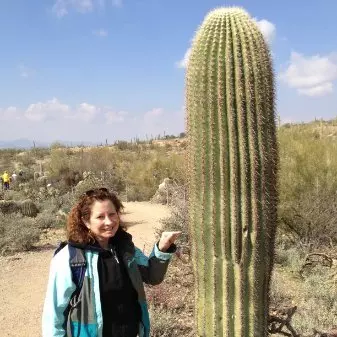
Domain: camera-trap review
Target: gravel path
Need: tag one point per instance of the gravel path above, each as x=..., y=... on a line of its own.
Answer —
x=24, y=276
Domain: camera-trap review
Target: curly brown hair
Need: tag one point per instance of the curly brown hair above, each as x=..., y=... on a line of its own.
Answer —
x=77, y=231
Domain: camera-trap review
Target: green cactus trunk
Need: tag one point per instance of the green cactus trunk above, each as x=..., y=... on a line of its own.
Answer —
x=232, y=174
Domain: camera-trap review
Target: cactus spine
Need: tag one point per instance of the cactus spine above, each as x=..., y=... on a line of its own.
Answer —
x=28, y=208
x=232, y=174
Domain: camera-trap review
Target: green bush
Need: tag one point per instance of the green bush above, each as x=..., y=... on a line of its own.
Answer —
x=307, y=165
x=308, y=186
x=315, y=297
x=8, y=207
x=18, y=233
x=311, y=219
x=48, y=220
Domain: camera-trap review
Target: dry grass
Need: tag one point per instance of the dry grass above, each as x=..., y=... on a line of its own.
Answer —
x=314, y=294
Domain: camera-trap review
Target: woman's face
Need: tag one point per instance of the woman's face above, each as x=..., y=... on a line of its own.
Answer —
x=104, y=220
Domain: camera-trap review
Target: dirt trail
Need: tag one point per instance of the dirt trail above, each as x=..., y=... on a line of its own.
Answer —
x=23, y=277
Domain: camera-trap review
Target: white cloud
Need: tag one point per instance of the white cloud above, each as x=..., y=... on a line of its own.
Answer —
x=55, y=110
x=153, y=114
x=84, y=112
x=62, y=7
x=267, y=29
x=318, y=90
x=53, y=119
x=312, y=75
x=10, y=113
x=184, y=61
x=52, y=109
x=115, y=117
x=100, y=33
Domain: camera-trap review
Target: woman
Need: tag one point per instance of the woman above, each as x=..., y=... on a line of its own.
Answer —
x=111, y=301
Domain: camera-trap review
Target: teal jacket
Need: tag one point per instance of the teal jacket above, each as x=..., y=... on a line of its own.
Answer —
x=85, y=316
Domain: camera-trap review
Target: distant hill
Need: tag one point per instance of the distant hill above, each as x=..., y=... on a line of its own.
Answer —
x=323, y=128
x=21, y=143
x=24, y=143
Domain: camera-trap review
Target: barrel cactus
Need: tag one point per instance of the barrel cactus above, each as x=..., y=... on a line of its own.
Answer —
x=28, y=208
x=232, y=157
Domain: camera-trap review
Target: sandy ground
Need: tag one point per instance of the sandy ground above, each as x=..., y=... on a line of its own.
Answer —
x=24, y=276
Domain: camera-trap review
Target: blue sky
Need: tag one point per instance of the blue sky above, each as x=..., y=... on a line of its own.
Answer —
x=90, y=70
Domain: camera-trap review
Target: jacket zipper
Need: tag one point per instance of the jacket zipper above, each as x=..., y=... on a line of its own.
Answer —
x=113, y=251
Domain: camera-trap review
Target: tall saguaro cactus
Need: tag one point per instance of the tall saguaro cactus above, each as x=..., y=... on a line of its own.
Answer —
x=232, y=174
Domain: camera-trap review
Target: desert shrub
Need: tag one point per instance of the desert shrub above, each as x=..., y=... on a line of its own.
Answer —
x=66, y=201
x=97, y=160
x=148, y=170
x=307, y=165
x=26, y=159
x=57, y=145
x=171, y=303
x=311, y=220
x=27, y=176
x=9, y=207
x=58, y=162
x=48, y=220
x=7, y=158
x=164, y=323
x=134, y=171
x=33, y=190
x=124, y=145
x=92, y=182
x=178, y=219
x=18, y=233
x=315, y=297
x=307, y=186
x=40, y=152
x=13, y=195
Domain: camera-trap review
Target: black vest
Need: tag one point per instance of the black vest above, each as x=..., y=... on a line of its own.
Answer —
x=119, y=300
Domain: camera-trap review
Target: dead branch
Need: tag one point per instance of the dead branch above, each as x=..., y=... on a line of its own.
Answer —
x=331, y=333
x=314, y=259
x=280, y=319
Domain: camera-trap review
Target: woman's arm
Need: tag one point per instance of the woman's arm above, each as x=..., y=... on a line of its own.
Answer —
x=154, y=267
x=59, y=290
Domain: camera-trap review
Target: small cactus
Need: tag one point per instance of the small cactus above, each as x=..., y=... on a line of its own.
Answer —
x=28, y=208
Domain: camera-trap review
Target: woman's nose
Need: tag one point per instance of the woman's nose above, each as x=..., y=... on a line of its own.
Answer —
x=107, y=220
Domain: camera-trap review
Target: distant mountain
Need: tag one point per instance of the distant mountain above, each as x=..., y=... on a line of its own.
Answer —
x=24, y=143
x=21, y=143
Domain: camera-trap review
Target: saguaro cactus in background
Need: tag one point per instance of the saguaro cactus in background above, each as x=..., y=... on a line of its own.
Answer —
x=232, y=166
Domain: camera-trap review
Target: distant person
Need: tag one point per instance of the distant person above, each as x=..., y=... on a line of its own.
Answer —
x=14, y=176
x=111, y=301
x=6, y=179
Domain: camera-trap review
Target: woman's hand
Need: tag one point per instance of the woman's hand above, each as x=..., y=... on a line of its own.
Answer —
x=166, y=240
